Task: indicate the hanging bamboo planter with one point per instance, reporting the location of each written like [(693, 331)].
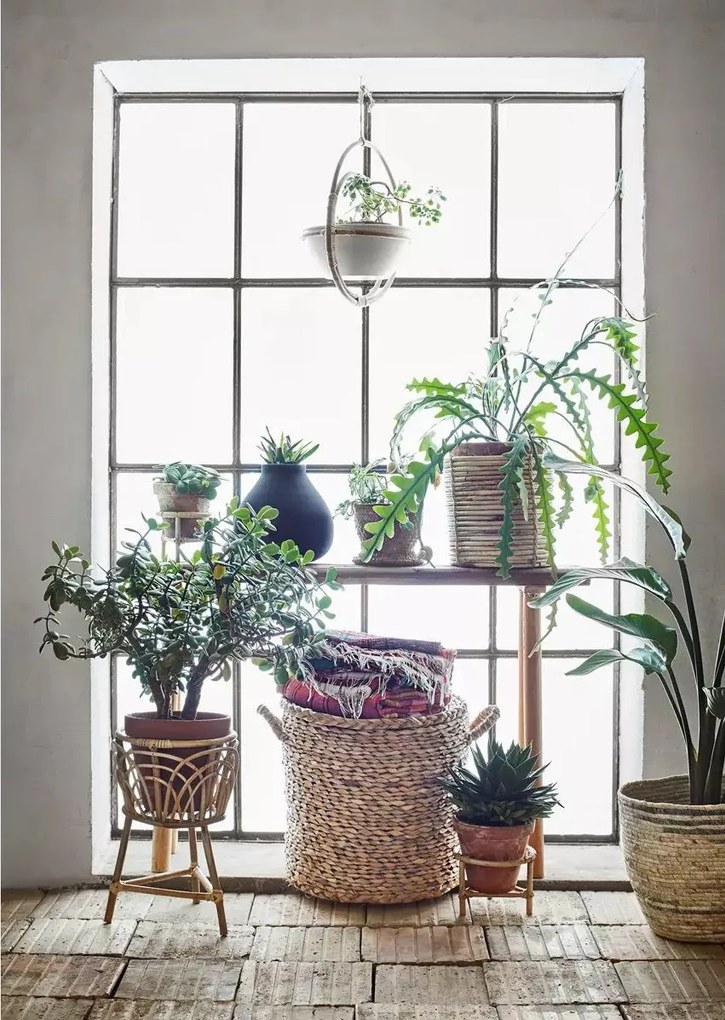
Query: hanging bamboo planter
[(472, 476)]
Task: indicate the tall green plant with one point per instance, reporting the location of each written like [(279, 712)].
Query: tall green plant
[(515, 403), (240, 596), (658, 642)]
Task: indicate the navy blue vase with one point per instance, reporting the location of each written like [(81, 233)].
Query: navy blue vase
[(303, 514)]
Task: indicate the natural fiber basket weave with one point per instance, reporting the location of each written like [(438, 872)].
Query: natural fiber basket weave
[(366, 822), (674, 852), (475, 511)]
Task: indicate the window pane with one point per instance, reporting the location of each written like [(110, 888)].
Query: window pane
[(470, 682), (419, 333), (443, 145), (301, 370), (455, 616), (571, 631), (176, 189), (559, 326), (578, 741), (556, 179), (290, 153), (262, 776), (174, 375)]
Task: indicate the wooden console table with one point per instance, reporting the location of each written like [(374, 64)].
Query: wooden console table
[(530, 582)]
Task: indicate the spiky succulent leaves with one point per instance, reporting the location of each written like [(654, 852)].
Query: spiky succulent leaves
[(621, 337), (633, 417), (567, 500), (594, 494), (536, 416), (405, 497), (502, 787), (545, 505), (511, 479), (668, 521)]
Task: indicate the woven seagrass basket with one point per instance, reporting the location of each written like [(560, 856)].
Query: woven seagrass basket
[(366, 822), (472, 476), (674, 852)]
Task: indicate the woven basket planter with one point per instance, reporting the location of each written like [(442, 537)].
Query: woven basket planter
[(366, 823), (472, 477), (675, 858)]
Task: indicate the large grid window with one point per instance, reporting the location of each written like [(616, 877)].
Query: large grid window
[(221, 326)]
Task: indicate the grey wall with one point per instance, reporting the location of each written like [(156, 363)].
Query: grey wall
[(49, 47)]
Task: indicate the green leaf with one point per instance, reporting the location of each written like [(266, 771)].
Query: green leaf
[(639, 625), (622, 570), (715, 697), (536, 416), (651, 660), (670, 524), (594, 494), (511, 473)]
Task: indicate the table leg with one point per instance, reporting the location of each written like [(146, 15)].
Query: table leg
[(161, 849), (530, 711)]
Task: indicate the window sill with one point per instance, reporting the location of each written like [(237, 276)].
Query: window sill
[(259, 867)]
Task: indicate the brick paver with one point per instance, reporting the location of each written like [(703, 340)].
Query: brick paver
[(76, 937), (555, 982), (430, 986), (429, 944), (60, 976), (673, 980), (332, 944), (542, 942), (167, 941), (305, 984), (293, 910), (186, 980)]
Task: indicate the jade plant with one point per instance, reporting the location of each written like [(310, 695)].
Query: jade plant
[(284, 451), (192, 479), (501, 789), (370, 201), (657, 642), (515, 403), (177, 624)]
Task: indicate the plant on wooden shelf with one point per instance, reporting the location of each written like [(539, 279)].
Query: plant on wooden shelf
[(178, 624), (490, 438), (497, 803), (367, 484), (186, 489), (673, 829), (303, 516)]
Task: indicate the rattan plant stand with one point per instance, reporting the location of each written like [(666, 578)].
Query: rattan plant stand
[(465, 893), (174, 791)]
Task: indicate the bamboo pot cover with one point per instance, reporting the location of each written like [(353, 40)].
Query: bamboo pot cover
[(475, 510), (366, 823), (674, 852)]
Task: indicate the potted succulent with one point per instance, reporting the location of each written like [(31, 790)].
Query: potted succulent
[(186, 488), (367, 485), (490, 440), (367, 247), (303, 516), (496, 807), (179, 624), (672, 829)]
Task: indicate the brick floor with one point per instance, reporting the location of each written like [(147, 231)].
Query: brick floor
[(587, 956)]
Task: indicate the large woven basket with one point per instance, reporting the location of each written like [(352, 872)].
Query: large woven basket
[(472, 476), (366, 822), (674, 852)]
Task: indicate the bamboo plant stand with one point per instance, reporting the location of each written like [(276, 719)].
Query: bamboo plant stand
[(465, 893), (169, 791)]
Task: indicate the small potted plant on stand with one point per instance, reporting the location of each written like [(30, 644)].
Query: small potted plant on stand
[(368, 247), (186, 488), (672, 829), (496, 808), (367, 489), (303, 516)]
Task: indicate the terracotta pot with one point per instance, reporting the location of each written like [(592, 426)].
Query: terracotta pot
[(159, 771), (493, 843), (402, 550), (364, 251), (171, 501)]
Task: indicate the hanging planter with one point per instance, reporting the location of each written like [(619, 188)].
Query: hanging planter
[(363, 246)]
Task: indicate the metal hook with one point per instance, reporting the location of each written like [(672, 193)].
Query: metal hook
[(365, 100)]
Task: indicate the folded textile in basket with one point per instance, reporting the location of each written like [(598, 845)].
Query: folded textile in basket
[(369, 677)]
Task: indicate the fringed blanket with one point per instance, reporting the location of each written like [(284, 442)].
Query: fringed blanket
[(366, 677)]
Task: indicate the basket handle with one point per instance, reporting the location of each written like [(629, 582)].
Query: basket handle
[(275, 724), (483, 722)]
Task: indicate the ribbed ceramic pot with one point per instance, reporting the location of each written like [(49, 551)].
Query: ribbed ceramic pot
[(674, 853), (303, 514)]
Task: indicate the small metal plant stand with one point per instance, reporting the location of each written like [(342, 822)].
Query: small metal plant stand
[(185, 790), (465, 893)]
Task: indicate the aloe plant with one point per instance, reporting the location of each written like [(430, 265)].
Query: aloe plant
[(503, 788), (283, 450), (658, 642), (515, 403)]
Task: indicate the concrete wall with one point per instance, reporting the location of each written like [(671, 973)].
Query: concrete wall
[(49, 49)]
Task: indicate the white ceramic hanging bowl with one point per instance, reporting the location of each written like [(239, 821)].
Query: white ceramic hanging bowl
[(364, 251)]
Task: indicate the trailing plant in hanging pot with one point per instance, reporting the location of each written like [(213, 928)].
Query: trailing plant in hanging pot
[(303, 516), (368, 245), (490, 438), (497, 803), (367, 485), (186, 489), (673, 829)]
